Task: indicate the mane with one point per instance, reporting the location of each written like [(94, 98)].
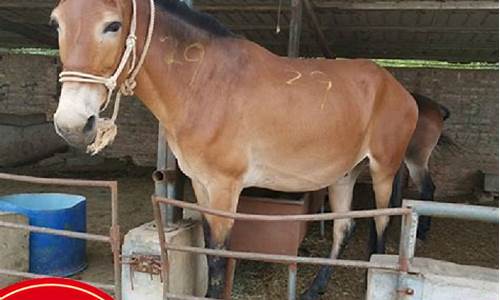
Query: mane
[(198, 19)]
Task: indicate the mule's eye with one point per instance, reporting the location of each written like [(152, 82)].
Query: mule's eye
[(113, 27), (54, 24)]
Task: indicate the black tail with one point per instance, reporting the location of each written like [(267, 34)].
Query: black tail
[(449, 143), (445, 140)]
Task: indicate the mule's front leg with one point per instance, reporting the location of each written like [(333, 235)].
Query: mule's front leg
[(340, 195), (216, 238), (217, 230)]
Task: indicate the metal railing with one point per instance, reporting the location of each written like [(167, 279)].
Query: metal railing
[(113, 239), (410, 211), (409, 226)]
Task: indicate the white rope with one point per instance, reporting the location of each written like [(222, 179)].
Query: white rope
[(106, 128)]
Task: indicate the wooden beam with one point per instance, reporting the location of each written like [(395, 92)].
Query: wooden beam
[(295, 28), (358, 5), (28, 3), (414, 46), (29, 31), (409, 5), (320, 36), (349, 28), (240, 8), (376, 5)]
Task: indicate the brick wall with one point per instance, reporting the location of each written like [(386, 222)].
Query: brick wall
[(28, 85)]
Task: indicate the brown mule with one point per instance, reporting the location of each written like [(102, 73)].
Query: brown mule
[(236, 115), (426, 137)]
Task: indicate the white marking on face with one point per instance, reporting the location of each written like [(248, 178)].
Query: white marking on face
[(78, 102)]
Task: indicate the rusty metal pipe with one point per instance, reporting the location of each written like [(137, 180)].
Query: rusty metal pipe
[(116, 241), (163, 252), (284, 259), (159, 175), (228, 288), (164, 175), (66, 233), (58, 181), (276, 218)]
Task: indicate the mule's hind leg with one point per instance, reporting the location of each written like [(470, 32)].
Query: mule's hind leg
[(382, 180), (419, 173), (395, 201), (340, 195)]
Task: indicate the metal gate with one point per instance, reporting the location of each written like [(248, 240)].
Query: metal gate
[(113, 239), (410, 212)]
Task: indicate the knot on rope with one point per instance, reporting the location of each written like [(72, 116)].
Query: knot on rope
[(110, 83), (106, 133), (131, 41), (128, 86)]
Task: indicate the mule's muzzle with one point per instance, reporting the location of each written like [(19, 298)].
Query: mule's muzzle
[(78, 136)]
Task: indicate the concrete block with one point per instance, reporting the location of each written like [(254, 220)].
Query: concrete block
[(433, 280), (14, 248), (22, 145), (187, 272), (490, 182)]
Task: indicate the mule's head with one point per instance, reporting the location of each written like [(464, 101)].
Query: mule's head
[(92, 37)]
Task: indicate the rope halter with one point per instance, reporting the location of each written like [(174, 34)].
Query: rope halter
[(106, 127)]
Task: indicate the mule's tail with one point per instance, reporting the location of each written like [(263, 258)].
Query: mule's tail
[(445, 140), (449, 143)]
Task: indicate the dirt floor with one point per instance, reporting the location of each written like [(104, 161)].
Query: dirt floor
[(470, 243)]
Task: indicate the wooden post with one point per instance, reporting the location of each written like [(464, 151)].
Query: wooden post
[(320, 36), (295, 28)]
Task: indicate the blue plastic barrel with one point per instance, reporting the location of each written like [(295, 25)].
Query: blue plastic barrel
[(51, 254)]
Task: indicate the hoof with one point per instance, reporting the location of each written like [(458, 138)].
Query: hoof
[(422, 235), (424, 225), (422, 232), (309, 295)]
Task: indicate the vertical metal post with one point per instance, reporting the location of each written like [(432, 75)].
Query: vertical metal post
[(165, 214), (407, 240), (163, 252), (292, 281), (228, 289), (295, 28), (320, 36), (165, 161), (167, 188), (116, 241), (406, 252), (161, 164), (294, 51)]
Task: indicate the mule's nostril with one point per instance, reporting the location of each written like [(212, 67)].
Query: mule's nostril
[(89, 125)]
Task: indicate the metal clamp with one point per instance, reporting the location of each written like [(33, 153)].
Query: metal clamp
[(149, 264)]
